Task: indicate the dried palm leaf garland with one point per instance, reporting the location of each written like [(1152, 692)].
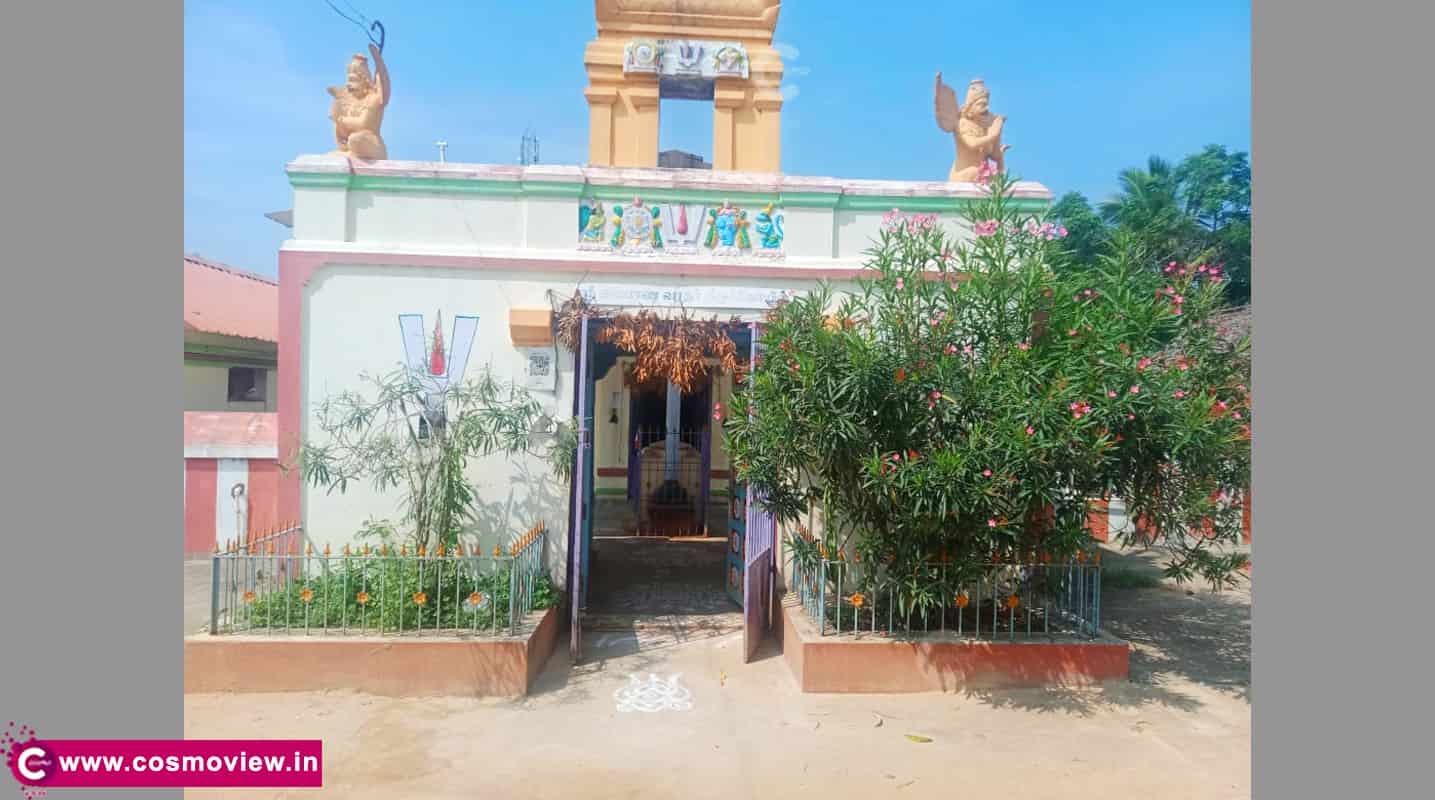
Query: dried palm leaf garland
[(672, 349)]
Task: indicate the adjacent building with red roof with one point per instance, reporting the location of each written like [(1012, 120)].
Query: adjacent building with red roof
[(231, 339)]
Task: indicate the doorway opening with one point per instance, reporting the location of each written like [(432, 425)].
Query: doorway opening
[(668, 569), (669, 472), (685, 130)]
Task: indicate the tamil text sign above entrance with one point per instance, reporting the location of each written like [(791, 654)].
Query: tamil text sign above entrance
[(649, 296)]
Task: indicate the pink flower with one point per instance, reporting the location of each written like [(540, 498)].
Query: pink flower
[(1221, 404), (1030, 430), (1178, 309), (1144, 363), (1131, 417), (986, 228), (1136, 390), (717, 416), (1110, 394), (991, 523), (1061, 231), (1087, 292), (1241, 387), (1024, 346), (986, 473), (1183, 367), (936, 395), (1071, 332), (951, 349), (1075, 406), (1180, 299), (968, 349), (1178, 394), (985, 173), (931, 404), (899, 284), (1236, 414)]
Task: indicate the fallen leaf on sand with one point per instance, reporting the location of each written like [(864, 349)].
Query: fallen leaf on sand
[(905, 785), (919, 739), (878, 723)]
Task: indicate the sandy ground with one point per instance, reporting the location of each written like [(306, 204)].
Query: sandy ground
[(1180, 729)]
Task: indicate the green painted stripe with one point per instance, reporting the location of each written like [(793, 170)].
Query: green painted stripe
[(618, 194), (319, 180), (552, 189), (949, 205), (409, 185), (623, 194), (810, 200)]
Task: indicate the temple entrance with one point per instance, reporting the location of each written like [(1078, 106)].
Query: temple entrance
[(669, 460), (659, 562)]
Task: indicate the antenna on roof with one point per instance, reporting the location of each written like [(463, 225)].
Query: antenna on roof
[(442, 149), (528, 150)]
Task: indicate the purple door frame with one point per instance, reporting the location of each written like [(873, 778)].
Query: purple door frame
[(580, 478), (758, 572)]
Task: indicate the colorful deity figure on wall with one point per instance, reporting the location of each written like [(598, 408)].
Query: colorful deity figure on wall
[(591, 225), (727, 230), (637, 229), (769, 233)]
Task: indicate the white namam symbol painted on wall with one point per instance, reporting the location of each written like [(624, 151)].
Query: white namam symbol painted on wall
[(653, 695), (436, 371)]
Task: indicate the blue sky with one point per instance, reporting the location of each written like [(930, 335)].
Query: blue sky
[(1089, 89)]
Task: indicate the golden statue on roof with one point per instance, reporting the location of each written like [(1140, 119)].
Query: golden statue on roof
[(978, 133), (358, 108)]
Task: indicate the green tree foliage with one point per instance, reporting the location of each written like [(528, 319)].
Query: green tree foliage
[(971, 398), (1198, 211), (1087, 233), (1216, 192), (391, 436)]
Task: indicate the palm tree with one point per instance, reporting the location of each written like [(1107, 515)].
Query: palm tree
[(1149, 207)]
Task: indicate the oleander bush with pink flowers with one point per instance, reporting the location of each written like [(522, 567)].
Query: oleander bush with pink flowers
[(970, 399)]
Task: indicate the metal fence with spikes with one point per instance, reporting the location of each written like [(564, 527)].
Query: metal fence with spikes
[(279, 584), (1030, 597)]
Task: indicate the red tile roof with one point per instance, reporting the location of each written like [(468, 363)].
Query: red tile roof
[(231, 429), (230, 302)]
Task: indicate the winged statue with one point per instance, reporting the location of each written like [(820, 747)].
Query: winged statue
[(978, 132)]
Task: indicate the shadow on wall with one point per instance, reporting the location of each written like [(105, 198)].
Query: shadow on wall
[(534, 494)]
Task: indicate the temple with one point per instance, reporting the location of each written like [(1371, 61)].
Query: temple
[(383, 248)]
